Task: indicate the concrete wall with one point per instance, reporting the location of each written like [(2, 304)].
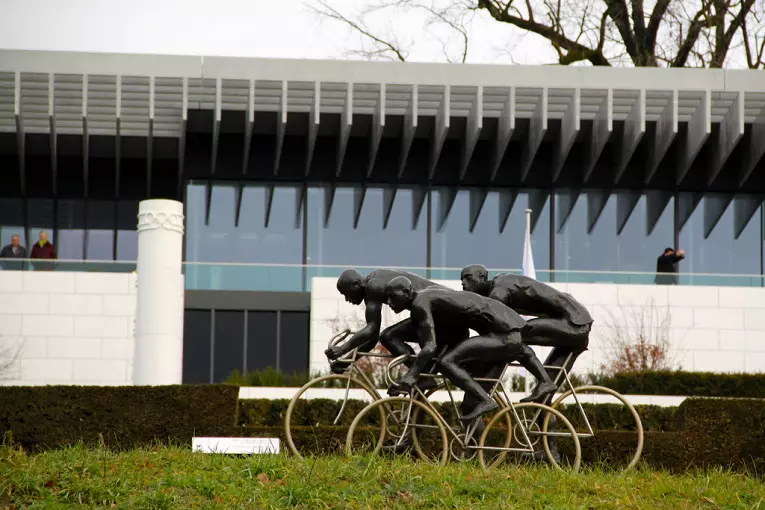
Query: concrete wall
[(73, 328), (719, 329)]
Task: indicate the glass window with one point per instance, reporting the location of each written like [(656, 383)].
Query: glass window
[(219, 250), (369, 245), (127, 236), (100, 234), (70, 238), (11, 220), (721, 252), (454, 246), (39, 218), (634, 250), (251, 241)]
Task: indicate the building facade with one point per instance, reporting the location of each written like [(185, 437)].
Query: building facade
[(291, 170)]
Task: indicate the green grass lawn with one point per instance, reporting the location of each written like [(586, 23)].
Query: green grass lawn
[(174, 477)]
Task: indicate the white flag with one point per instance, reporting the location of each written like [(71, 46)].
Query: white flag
[(528, 258)]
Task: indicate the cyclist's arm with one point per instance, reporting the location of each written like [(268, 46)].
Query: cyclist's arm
[(367, 336)]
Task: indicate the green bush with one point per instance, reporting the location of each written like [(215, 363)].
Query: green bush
[(691, 384), (699, 433), (45, 417)]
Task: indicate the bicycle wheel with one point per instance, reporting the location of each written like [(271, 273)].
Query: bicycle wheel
[(396, 424), (319, 429), (622, 420), (526, 432), (459, 448)]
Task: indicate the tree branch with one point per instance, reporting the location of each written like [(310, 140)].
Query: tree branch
[(700, 20), (386, 46), (659, 10), (724, 38), (617, 11), (575, 52)]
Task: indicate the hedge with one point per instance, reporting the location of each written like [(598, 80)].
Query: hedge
[(700, 432), (45, 417), (691, 384)]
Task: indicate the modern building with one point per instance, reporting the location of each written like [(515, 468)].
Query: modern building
[(294, 169)]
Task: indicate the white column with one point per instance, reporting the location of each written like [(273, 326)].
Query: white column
[(158, 357)]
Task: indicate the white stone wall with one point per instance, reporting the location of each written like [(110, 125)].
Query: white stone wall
[(718, 329), (72, 328)]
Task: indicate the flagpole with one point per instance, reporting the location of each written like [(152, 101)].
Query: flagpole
[(530, 271)]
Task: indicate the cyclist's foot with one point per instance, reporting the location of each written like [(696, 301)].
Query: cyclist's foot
[(399, 449), (483, 407), (541, 456), (541, 392), (427, 383)]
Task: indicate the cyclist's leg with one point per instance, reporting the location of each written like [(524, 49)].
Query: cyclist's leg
[(488, 349), (395, 338)]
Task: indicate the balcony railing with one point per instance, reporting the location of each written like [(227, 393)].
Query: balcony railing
[(297, 278)]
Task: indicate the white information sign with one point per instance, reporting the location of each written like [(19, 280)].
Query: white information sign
[(235, 445)]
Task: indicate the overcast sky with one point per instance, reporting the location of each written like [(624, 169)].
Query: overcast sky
[(259, 28)]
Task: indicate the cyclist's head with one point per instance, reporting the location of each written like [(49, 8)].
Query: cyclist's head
[(475, 278), (351, 285), (399, 293)]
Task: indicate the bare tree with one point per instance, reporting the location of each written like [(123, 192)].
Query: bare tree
[(672, 33), (9, 357), (637, 339)]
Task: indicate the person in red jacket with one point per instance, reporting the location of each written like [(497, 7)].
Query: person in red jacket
[(43, 249)]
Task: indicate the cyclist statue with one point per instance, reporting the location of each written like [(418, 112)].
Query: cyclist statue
[(499, 342)]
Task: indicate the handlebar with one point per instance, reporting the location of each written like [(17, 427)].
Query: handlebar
[(393, 364), (339, 337)]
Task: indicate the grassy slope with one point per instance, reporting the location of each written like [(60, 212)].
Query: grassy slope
[(176, 478)]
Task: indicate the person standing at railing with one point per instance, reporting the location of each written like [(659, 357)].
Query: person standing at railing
[(14, 251), (43, 249), (666, 266)]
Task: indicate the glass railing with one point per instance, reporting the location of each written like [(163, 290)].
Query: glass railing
[(297, 278), (80, 266)]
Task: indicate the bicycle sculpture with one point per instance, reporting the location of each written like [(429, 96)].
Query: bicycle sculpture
[(488, 423)]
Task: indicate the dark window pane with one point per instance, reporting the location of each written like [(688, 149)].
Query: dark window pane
[(454, 246), (127, 236), (229, 344), (39, 218), (294, 341), (11, 220), (221, 241), (636, 249), (70, 240), (601, 249), (261, 340), (100, 233), (721, 252), (369, 245), (196, 346)]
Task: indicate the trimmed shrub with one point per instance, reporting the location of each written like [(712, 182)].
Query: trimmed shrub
[(39, 418), (691, 384)]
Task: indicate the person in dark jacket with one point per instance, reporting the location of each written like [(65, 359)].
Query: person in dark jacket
[(666, 266), (13, 251), (43, 249)]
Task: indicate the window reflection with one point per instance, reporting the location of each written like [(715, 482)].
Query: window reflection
[(99, 243), (70, 234), (602, 249), (454, 246), (721, 252), (127, 236), (369, 245), (11, 220), (251, 241)]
